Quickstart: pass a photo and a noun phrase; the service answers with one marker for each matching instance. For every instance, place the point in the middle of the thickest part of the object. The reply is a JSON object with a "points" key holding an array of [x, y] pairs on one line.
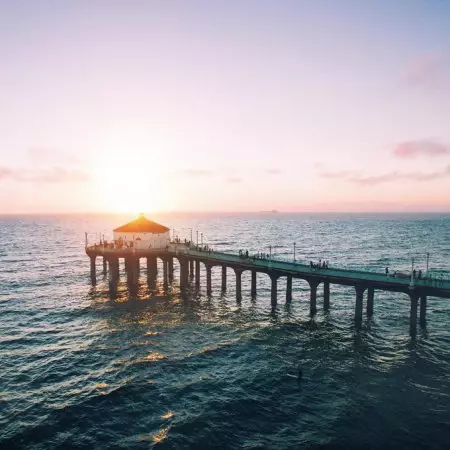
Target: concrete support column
{"points": [[359, 304], [313, 298], [208, 280], [253, 288], [423, 311], [238, 284], [413, 314], [93, 271], [105, 266], [132, 271], [165, 272], [370, 295], [152, 271], [191, 268], [274, 290], [114, 270], [197, 274], [184, 274], [170, 269], [224, 278], [113, 276], [138, 266], [289, 289], [326, 295]]}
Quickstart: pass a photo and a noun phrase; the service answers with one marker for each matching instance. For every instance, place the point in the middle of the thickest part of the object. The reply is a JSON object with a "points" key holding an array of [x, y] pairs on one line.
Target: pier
{"points": [[190, 257]]}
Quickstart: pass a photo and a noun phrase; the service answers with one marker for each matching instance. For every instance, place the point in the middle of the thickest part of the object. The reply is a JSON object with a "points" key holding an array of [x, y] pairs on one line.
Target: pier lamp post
{"points": [[428, 261], [294, 251], [270, 253], [197, 237], [201, 235], [191, 234]]}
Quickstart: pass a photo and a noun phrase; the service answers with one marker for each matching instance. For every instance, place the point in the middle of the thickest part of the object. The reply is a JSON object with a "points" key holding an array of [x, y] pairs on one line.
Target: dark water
{"points": [[79, 370]]}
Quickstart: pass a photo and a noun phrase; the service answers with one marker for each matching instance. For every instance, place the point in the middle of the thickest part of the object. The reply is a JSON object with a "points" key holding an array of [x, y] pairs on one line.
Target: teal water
{"points": [[81, 370]]}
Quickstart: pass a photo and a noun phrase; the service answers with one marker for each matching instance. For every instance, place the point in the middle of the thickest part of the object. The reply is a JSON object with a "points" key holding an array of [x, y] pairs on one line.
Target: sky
{"points": [[305, 105]]}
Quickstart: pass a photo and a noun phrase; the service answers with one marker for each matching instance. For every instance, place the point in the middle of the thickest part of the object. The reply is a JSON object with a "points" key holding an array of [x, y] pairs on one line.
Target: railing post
{"points": [[326, 295], [289, 289]]}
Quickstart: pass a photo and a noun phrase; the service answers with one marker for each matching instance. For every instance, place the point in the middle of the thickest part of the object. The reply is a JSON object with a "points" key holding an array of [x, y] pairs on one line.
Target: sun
{"points": [[126, 189], [128, 175]]}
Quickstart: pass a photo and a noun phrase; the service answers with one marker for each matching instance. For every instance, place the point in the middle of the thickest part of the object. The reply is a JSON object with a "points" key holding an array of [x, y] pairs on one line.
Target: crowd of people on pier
{"points": [[319, 265]]}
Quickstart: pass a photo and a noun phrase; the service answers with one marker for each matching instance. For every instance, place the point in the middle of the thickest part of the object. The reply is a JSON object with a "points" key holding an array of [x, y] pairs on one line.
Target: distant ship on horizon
{"points": [[272, 211]]}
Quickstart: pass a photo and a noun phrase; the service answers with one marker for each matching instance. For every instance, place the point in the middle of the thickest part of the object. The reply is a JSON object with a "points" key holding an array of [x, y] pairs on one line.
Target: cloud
{"points": [[411, 149], [45, 155], [197, 172], [52, 175], [234, 180], [426, 70], [6, 172], [273, 171], [372, 180], [339, 174]]}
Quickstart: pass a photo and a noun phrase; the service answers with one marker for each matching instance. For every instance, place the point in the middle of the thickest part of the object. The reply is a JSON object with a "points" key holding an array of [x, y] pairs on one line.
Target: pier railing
{"points": [[277, 262]]}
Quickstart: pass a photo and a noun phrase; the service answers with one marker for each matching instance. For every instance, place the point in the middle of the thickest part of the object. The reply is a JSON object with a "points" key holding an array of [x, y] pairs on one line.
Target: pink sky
{"points": [[224, 106]]}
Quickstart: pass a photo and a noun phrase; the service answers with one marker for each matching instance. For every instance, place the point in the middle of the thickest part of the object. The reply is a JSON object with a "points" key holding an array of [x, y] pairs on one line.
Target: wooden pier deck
{"points": [[190, 258]]}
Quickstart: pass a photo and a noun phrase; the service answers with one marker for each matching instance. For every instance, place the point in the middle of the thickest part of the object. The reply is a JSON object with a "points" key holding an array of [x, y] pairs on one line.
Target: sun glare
{"points": [[128, 173]]}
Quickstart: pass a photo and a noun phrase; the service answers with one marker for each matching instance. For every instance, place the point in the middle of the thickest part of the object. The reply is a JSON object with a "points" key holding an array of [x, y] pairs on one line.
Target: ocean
{"points": [[79, 369]]}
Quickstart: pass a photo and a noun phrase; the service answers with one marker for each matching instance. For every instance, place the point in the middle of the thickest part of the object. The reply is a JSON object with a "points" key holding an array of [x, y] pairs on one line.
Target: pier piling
{"points": [[197, 274], [224, 278], [93, 271], [105, 266], [413, 314], [359, 304], [289, 289], [238, 284], [208, 280], [170, 269], [274, 290], [184, 274], [253, 286], [151, 271], [313, 297], [370, 295], [165, 272], [326, 295], [423, 311]]}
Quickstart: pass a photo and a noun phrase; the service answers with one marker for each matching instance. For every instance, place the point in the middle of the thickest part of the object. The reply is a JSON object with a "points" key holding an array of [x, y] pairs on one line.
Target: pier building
{"points": [[190, 256], [142, 234]]}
